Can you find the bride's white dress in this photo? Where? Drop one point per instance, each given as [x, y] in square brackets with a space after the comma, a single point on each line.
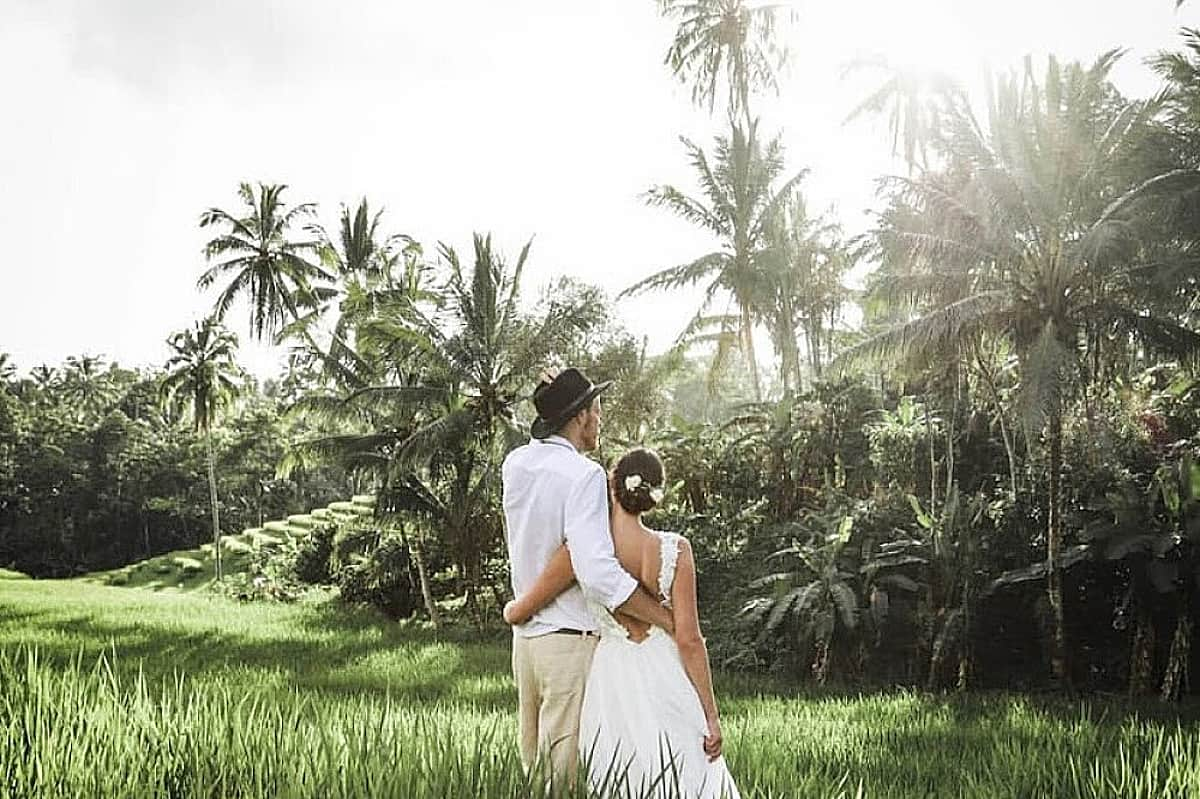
[642, 727]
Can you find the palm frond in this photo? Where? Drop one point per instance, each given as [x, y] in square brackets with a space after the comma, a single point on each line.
[678, 276]
[934, 333]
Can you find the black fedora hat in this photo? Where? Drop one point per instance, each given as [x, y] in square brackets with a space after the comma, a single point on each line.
[562, 398]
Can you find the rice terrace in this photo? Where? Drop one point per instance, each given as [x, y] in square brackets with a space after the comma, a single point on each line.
[677, 399]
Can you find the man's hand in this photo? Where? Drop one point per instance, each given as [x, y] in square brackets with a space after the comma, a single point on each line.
[548, 375]
[713, 741]
[512, 614]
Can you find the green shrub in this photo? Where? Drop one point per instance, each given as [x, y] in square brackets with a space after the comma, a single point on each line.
[382, 578]
[309, 561]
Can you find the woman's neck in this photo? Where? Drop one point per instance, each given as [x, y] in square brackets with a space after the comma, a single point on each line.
[625, 521]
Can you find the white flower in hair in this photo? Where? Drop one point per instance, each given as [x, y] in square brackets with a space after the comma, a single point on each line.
[632, 482]
[656, 494]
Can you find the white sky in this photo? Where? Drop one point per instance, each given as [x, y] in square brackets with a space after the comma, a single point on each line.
[122, 120]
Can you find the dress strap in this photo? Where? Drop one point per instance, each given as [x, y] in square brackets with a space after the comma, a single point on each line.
[669, 556]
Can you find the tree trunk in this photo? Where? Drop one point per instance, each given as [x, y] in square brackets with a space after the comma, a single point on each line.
[1176, 679]
[813, 335]
[950, 436]
[418, 553]
[1054, 593]
[1009, 447]
[829, 342]
[820, 665]
[1141, 659]
[932, 458]
[966, 651]
[212, 499]
[796, 367]
[748, 350]
[787, 345]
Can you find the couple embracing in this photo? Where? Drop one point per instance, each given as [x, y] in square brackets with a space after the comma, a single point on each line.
[608, 659]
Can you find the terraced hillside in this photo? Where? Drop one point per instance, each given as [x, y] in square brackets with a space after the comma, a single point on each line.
[190, 569]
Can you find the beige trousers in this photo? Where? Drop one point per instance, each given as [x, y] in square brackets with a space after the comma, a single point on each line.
[551, 672]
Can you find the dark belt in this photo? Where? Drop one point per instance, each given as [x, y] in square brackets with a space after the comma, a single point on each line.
[579, 633]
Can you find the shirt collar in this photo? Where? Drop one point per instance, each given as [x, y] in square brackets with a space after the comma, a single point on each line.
[559, 441]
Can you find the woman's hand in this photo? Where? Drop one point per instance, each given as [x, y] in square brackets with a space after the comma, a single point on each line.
[713, 741]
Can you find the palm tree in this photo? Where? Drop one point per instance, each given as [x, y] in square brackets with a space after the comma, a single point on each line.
[201, 376]
[362, 262]
[916, 103]
[261, 260]
[45, 381]
[739, 206]
[804, 289]
[1033, 225]
[728, 39]
[86, 385]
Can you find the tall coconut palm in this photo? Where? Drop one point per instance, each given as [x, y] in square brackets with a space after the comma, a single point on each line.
[257, 254]
[739, 204]
[1034, 223]
[200, 377]
[369, 270]
[729, 40]
[804, 289]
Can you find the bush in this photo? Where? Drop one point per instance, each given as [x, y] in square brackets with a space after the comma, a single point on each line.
[310, 559]
[381, 578]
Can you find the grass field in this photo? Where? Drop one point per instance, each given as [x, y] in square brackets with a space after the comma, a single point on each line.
[114, 692]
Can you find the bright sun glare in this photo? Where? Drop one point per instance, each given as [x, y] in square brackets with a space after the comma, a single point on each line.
[917, 35]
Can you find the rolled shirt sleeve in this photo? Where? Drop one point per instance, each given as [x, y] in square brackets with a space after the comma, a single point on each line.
[590, 543]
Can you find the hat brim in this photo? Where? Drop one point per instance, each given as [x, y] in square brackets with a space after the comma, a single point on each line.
[544, 428]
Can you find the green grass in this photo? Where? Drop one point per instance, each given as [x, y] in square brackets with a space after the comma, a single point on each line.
[108, 692]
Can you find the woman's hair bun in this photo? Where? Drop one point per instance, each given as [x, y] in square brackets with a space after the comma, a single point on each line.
[638, 480]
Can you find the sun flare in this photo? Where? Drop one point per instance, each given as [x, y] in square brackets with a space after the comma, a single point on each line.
[920, 36]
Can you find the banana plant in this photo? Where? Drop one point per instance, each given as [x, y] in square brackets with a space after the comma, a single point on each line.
[814, 590]
[942, 562]
[1154, 531]
[1178, 485]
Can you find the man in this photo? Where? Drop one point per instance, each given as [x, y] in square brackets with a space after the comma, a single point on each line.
[554, 495]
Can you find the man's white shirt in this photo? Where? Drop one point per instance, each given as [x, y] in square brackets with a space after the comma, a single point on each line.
[553, 495]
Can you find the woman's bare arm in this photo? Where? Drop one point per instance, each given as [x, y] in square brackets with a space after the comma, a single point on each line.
[557, 577]
[692, 649]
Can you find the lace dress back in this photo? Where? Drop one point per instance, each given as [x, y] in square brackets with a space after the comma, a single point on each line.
[668, 550]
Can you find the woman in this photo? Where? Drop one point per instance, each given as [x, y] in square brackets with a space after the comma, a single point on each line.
[650, 724]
